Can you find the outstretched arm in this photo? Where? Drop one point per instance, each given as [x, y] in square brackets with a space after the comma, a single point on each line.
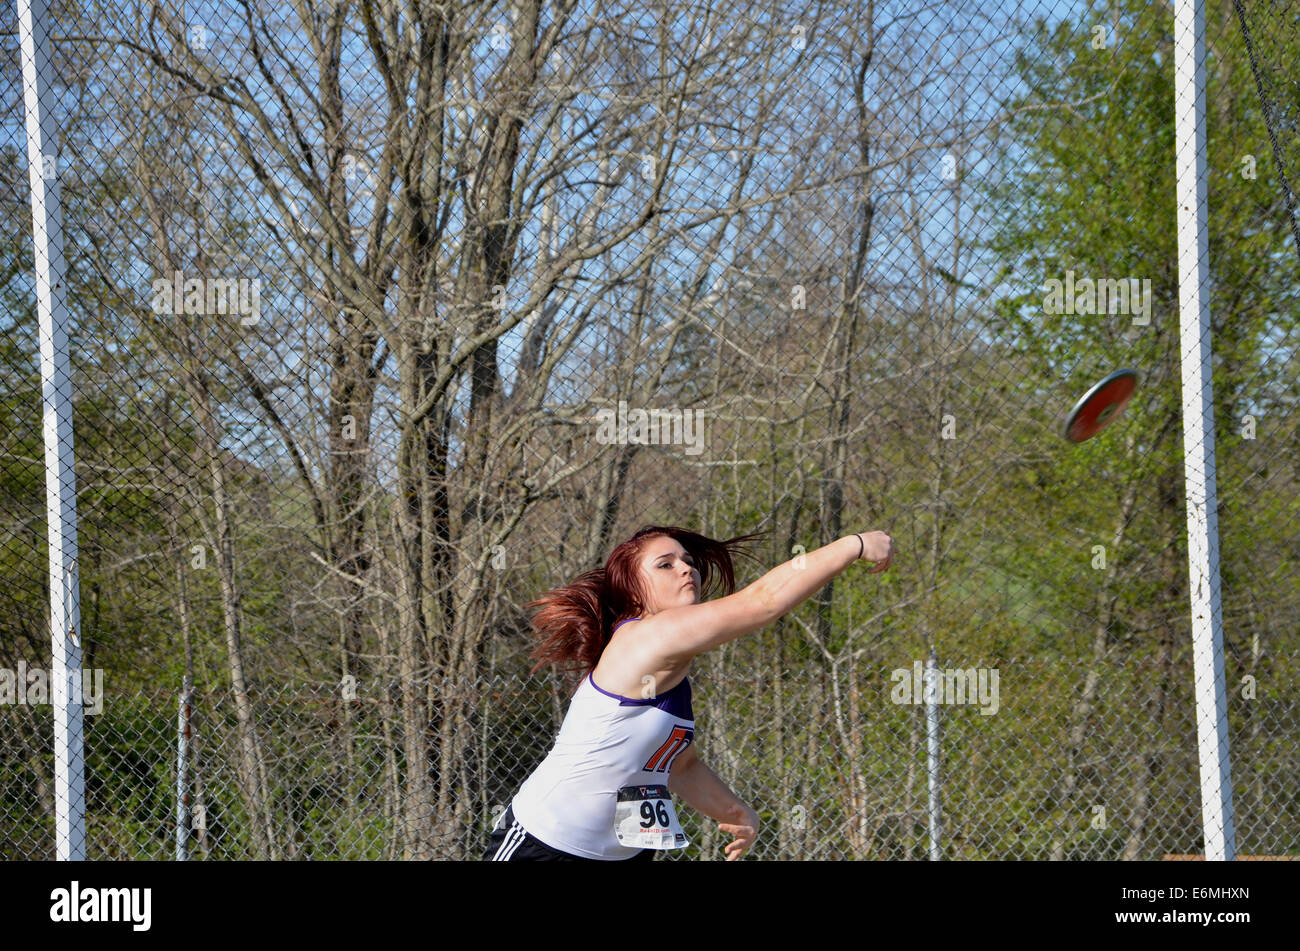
[701, 789]
[677, 634]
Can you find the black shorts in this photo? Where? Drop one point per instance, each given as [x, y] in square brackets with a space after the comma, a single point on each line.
[511, 843]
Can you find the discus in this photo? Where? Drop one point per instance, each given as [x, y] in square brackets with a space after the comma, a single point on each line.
[1100, 406]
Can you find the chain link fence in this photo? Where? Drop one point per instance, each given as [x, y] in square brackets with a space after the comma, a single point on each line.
[845, 778]
[385, 319]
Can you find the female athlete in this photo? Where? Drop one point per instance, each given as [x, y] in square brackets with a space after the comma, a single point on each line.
[632, 628]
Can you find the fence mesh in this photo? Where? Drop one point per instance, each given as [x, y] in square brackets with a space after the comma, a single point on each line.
[385, 319]
[335, 773]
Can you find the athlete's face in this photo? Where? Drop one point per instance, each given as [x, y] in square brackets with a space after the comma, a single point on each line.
[668, 574]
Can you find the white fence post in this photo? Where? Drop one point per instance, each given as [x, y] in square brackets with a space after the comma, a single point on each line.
[932, 751]
[60, 475]
[1198, 430]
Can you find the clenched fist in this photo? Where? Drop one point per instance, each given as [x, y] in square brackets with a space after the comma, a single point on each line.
[877, 547]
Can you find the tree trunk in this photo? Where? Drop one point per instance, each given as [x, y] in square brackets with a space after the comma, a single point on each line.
[1146, 765]
[253, 784]
[413, 672]
[1082, 713]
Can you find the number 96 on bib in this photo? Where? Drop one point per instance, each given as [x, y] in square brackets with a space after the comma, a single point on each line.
[644, 818]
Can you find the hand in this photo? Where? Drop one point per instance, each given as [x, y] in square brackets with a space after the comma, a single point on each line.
[745, 830]
[877, 547]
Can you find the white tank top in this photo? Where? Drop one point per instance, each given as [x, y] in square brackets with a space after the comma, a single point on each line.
[606, 742]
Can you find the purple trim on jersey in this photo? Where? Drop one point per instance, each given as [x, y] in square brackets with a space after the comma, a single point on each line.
[622, 622]
[676, 702]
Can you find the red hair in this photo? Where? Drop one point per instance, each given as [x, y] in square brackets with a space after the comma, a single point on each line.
[573, 623]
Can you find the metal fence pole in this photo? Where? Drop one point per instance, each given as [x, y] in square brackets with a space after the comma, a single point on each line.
[60, 476]
[1198, 431]
[182, 770]
[932, 751]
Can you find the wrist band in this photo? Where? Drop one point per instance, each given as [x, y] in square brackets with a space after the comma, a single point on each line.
[861, 547]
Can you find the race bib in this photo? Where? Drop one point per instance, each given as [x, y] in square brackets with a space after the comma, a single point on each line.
[644, 818]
